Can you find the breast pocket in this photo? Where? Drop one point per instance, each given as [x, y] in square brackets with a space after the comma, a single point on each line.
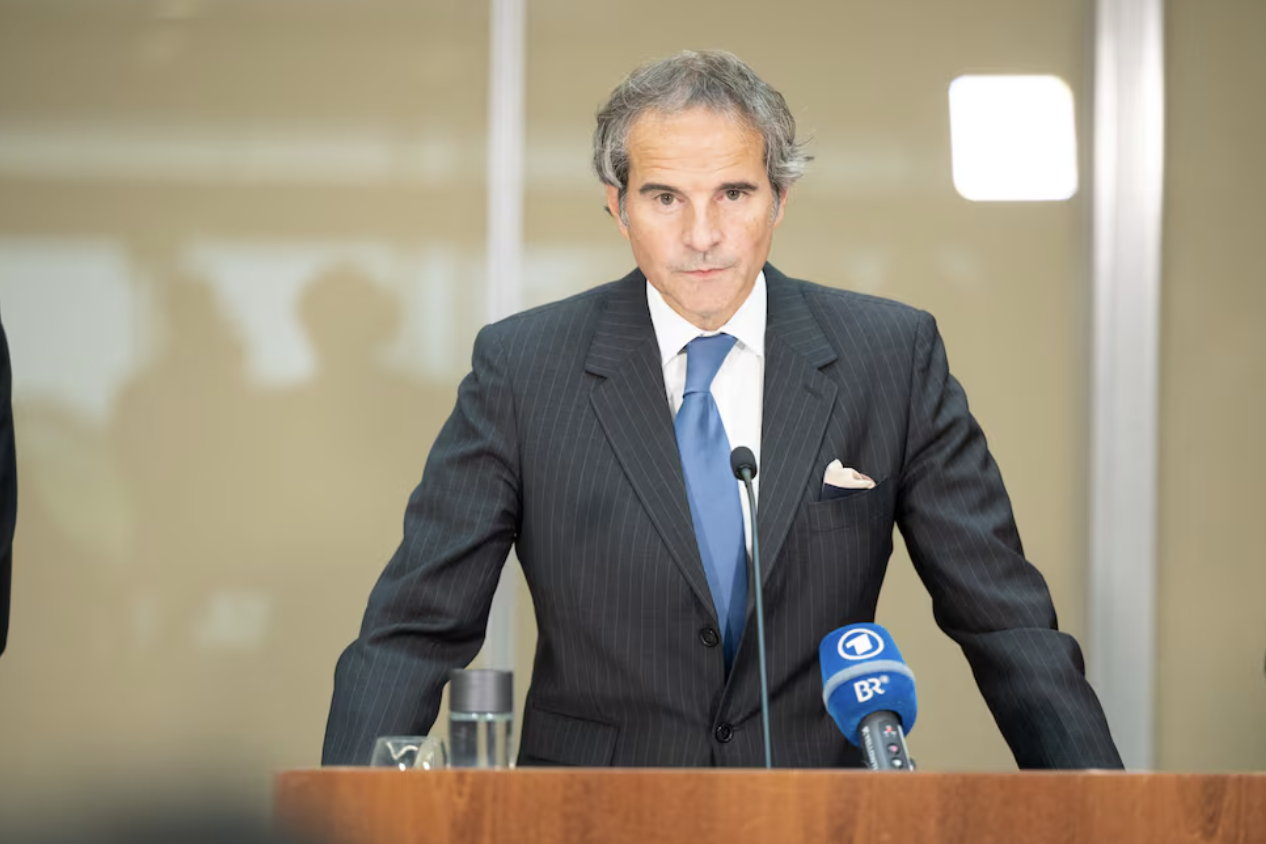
[853, 509]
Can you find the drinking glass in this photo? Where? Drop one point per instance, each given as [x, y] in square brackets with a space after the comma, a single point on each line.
[422, 753]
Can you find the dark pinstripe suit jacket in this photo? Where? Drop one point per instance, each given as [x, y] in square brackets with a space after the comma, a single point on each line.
[562, 442]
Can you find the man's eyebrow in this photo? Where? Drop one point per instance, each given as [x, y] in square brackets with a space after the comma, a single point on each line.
[655, 187]
[652, 187]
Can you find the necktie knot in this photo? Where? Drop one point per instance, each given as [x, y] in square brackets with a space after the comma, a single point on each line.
[704, 356]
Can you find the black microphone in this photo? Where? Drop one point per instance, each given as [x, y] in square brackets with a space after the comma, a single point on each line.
[743, 464]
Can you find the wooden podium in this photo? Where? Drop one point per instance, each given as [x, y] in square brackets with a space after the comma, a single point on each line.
[650, 806]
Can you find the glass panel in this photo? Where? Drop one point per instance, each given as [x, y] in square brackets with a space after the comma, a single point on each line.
[241, 267]
[241, 255]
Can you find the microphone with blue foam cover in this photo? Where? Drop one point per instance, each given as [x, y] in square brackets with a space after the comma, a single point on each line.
[869, 691]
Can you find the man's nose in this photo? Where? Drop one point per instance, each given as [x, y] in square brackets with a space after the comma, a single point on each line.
[703, 228]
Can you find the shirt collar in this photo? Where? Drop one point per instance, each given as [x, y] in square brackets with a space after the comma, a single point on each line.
[673, 331]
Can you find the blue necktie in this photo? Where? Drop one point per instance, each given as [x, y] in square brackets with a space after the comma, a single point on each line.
[711, 488]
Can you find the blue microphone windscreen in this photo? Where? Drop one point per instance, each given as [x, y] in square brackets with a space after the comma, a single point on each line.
[862, 673]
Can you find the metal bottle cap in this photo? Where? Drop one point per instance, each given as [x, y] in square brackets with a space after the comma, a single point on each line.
[481, 690]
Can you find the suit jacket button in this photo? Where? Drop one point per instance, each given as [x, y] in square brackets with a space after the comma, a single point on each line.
[724, 732]
[709, 637]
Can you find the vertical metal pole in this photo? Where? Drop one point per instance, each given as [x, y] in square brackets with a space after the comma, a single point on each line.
[504, 296]
[1127, 204]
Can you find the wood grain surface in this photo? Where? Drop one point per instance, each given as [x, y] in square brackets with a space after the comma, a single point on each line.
[558, 806]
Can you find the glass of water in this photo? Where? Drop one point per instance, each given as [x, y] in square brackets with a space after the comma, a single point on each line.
[421, 753]
[481, 718]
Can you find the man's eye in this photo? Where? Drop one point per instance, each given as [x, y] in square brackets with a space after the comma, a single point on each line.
[666, 199]
[734, 194]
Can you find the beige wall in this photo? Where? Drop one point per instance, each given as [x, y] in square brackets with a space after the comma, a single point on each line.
[1212, 600]
[241, 256]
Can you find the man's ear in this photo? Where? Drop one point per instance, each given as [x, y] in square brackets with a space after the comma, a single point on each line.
[613, 208]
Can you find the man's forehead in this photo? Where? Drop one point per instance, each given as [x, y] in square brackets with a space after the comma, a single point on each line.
[692, 142]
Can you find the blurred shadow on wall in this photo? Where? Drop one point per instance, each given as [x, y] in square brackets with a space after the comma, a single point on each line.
[187, 432]
[70, 579]
[349, 446]
[192, 572]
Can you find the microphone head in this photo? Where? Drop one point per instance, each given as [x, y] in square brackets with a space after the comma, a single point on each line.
[742, 458]
[863, 673]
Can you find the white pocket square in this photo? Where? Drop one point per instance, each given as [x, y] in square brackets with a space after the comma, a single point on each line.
[842, 478]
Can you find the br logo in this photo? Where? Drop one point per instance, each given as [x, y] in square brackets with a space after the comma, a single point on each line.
[868, 687]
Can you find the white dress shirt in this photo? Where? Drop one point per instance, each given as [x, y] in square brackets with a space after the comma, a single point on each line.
[739, 388]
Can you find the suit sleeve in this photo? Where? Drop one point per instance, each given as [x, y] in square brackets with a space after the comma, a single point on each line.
[428, 612]
[957, 522]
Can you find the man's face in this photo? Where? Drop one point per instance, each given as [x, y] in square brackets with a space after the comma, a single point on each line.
[699, 207]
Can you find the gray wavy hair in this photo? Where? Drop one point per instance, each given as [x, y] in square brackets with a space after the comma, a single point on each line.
[711, 79]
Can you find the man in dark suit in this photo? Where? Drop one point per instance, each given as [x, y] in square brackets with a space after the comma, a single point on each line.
[593, 433]
[8, 487]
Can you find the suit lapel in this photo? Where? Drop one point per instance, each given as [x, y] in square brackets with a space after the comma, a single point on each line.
[797, 407]
[632, 407]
